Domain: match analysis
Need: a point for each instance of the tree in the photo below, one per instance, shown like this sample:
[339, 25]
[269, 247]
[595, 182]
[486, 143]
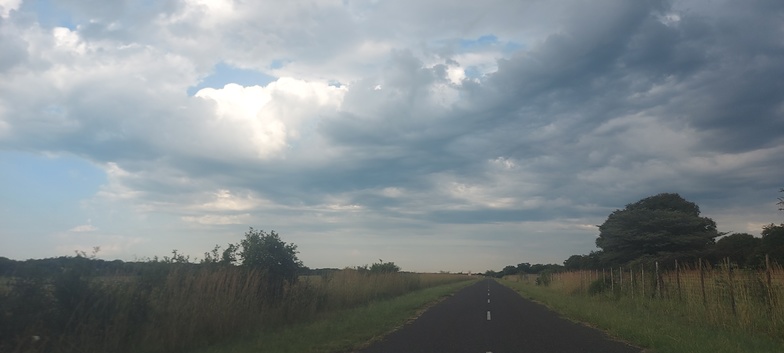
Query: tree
[268, 252]
[524, 267]
[773, 242]
[740, 248]
[384, 267]
[664, 225]
[229, 255]
[540, 268]
[584, 262]
[574, 262]
[508, 271]
[781, 202]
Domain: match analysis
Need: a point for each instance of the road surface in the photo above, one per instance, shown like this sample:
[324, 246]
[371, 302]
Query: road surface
[489, 317]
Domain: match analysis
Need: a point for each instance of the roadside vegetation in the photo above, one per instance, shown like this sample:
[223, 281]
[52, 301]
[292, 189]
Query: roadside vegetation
[345, 330]
[661, 325]
[666, 229]
[83, 304]
[665, 278]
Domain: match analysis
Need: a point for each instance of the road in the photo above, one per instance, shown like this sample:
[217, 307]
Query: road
[489, 317]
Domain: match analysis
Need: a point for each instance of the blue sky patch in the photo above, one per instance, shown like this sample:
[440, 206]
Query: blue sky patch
[488, 41]
[59, 179]
[473, 72]
[50, 15]
[46, 191]
[224, 74]
[483, 41]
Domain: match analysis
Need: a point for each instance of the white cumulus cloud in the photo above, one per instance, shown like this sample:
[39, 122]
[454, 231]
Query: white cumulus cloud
[83, 228]
[6, 6]
[268, 118]
[218, 219]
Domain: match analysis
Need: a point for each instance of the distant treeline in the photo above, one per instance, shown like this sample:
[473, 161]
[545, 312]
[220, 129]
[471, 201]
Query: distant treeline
[524, 268]
[45, 268]
[170, 304]
[667, 229]
[55, 266]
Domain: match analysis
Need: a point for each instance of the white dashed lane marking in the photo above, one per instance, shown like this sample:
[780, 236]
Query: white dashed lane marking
[488, 312]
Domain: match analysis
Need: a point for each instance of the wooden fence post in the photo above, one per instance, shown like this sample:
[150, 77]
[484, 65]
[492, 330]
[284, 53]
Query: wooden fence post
[702, 283]
[731, 285]
[678, 278]
[656, 276]
[768, 283]
[612, 281]
[642, 279]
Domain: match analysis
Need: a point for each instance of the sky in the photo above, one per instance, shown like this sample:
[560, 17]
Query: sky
[440, 135]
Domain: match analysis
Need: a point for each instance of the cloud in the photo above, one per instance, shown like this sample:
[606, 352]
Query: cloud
[219, 219]
[379, 123]
[6, 6]
[267, 118]
[83, 228]
[224, 200]
[109, 246]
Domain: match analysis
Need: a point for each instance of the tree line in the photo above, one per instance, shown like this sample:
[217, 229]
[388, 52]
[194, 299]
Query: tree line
[258, 250]
[664, 228]
[67, 303]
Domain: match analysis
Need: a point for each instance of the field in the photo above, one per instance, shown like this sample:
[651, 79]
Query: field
[182, 307]
[685, 309]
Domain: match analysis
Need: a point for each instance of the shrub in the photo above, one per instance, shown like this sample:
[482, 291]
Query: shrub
[597, 287]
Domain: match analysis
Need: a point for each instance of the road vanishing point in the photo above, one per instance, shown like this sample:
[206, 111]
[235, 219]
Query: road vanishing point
[487, 317]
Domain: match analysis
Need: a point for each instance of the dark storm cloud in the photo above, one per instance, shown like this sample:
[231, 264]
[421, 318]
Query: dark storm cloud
[717, 74]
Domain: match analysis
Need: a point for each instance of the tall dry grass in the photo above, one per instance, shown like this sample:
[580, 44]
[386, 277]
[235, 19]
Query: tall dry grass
[192, 306]
[726, 296]
[350, 287]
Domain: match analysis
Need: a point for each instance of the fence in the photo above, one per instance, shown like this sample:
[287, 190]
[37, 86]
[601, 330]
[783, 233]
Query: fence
[724, 295]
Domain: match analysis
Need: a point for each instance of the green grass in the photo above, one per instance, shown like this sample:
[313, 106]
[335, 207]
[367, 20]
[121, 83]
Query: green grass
[341, 330]
[651, 324]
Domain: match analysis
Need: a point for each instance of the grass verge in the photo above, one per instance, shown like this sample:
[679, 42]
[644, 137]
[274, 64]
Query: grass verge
[341, 330]
[648, 323]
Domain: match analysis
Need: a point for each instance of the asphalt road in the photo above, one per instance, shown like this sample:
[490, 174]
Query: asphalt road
[489, 317]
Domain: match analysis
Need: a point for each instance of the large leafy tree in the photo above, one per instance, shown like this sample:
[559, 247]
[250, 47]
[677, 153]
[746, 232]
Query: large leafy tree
[740, 248]
[664, 225]
[773, 242]
[384, 267]
[524, 267]
[584, 262]
[268, 252]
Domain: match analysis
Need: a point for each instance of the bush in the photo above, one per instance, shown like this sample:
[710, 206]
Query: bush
[384, 267]
[24, 312]
[544, 279]
[597, 287]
